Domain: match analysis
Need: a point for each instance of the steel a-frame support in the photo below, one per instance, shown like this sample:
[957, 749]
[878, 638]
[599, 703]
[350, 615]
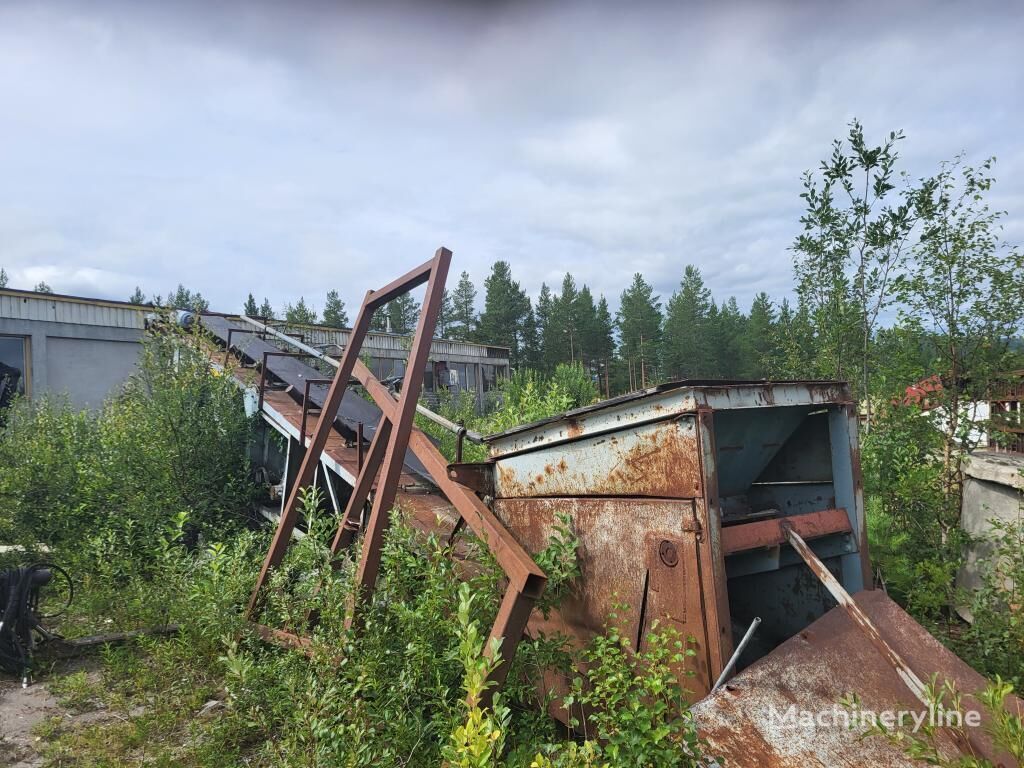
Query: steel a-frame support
[433, 273]
[396, 434]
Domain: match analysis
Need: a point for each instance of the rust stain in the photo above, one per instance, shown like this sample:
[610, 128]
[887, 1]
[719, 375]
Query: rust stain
[664, 463]
[661, 461]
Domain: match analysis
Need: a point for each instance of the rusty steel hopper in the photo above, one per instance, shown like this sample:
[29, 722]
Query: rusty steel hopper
[678, 496]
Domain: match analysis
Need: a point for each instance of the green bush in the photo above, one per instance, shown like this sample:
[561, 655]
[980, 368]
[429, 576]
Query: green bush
[913, 514]
[636, 708]
[993, 643]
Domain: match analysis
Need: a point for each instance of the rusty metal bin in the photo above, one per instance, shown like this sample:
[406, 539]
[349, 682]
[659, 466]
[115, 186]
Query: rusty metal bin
[677, 494]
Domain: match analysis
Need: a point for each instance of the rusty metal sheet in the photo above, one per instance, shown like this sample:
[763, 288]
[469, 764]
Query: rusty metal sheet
[655, 460]
[626, 567]
[665, 401]
[744, 720]
[674, 598]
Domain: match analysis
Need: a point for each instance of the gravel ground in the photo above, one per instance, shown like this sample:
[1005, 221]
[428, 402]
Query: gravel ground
[21, 709]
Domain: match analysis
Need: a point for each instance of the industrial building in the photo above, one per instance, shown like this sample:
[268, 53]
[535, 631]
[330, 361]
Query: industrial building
[85, 348]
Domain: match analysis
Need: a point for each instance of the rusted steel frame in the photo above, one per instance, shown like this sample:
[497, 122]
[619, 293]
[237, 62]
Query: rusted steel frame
[311, 458]
[434, 274]
[709, 543]
[509, 626]
[771, 533]
[227, 344]
[460, 436]
[412, 279]
[359, 446]
[861, 619]
[523, 573]
[263, 371]
[305, 405]
[349, 526]
[477, 476]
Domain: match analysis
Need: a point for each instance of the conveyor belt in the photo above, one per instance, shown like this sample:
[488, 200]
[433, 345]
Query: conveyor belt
[294, 372]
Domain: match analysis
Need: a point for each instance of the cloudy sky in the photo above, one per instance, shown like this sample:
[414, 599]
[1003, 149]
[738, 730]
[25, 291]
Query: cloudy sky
[288, 148]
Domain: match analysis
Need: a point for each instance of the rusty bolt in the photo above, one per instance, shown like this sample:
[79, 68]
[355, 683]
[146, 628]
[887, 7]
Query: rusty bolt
[668, 554]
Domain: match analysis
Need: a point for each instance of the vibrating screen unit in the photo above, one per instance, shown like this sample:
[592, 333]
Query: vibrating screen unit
[680, 496]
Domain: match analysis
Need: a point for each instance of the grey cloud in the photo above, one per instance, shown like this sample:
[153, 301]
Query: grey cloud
[289, 149]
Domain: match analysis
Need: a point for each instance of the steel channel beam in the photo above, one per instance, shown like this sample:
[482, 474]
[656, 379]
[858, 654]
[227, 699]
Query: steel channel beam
[434, 274]
[329, 411]
[305, 405]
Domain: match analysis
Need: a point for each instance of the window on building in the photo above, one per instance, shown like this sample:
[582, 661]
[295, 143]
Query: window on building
[463, 376]
[13, 368]
[490, 375]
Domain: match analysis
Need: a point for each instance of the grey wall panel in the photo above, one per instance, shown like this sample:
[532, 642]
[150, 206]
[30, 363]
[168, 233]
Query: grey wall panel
[88, 370]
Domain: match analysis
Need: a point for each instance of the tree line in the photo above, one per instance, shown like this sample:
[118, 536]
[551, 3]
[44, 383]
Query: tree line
[887, 268]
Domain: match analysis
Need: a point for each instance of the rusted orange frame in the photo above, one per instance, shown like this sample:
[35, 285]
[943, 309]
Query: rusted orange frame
[395, 434]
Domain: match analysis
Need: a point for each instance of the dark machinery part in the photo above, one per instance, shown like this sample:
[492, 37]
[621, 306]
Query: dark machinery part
[20, 619]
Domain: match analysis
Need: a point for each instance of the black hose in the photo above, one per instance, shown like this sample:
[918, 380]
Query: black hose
[19, 613]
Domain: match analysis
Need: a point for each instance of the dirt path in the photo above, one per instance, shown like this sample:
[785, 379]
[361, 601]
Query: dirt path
[21, 709]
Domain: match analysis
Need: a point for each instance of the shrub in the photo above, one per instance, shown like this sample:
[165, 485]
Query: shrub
[994, 641]
[930, 744]
[636, 708]
[913, 516]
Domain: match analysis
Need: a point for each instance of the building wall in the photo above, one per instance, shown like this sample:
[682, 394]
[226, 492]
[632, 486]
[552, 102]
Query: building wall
[456, 366]
[84, 349]
[993, 490]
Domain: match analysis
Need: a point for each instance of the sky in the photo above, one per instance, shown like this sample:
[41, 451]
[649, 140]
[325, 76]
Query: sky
[290, 148]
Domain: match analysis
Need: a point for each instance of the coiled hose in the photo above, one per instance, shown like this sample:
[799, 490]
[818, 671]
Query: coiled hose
[19, 614]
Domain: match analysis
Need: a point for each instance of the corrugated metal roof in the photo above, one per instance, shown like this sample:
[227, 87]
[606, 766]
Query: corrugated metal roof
[58, 308]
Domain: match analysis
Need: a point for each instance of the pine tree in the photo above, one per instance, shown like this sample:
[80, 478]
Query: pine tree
[334, 311]
[403, 313]
[42, 287]
[759, 350]
[550, 351]
[445, 314]
[250, 309]
[586, 323]
[137, 297]
[266, 311]
[531, 351]
[725, 358]
[687, 328]
[3, 277]
[564, 324]
[795, 343]
[183, 298]
[300, 313]
[506, 307]
[464, 320]
[604, 337]
[639, 320]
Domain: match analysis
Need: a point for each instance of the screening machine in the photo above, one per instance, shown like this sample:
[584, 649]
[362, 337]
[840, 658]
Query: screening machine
[678, 495]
